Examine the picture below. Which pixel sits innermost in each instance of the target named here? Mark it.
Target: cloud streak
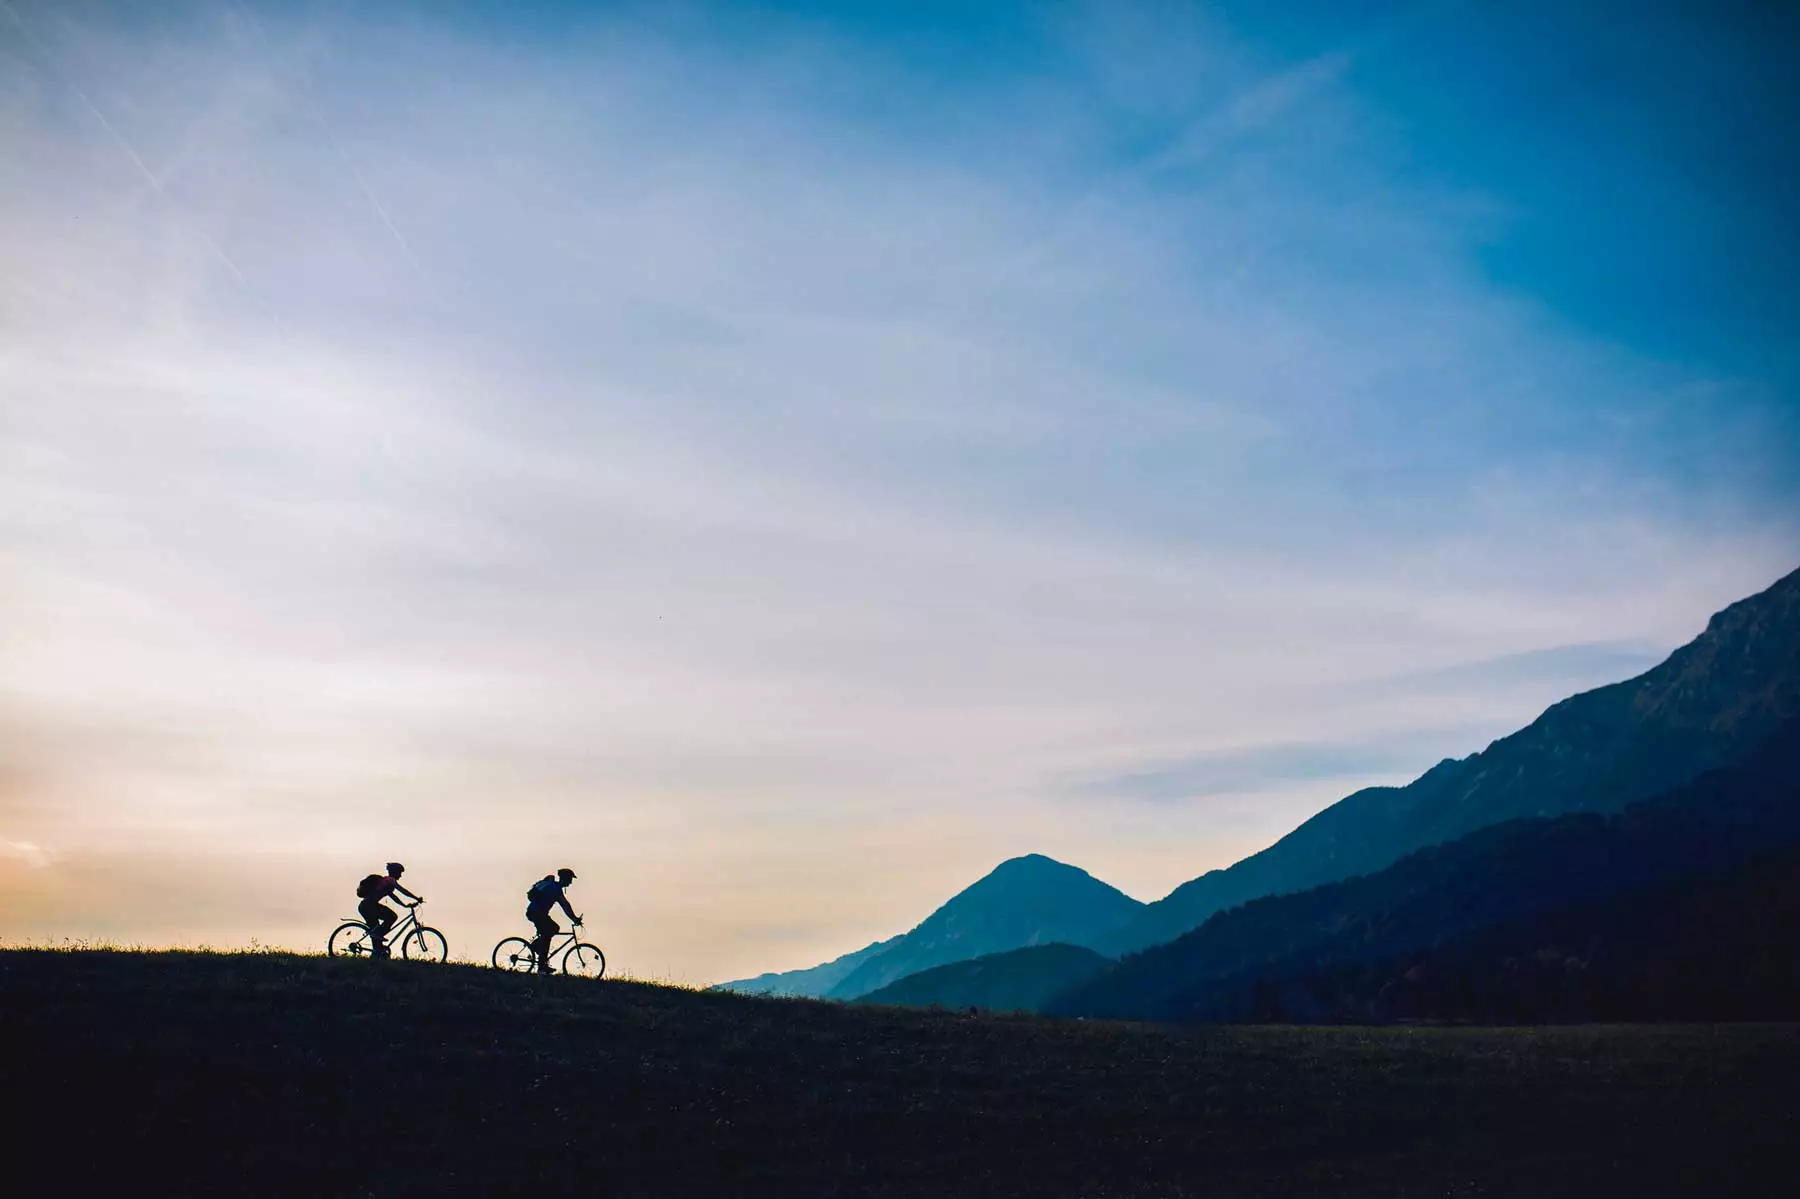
(33, 855)
(1254, 769)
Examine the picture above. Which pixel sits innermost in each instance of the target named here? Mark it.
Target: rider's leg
(547, 928)
(370, 910)
(379, 917)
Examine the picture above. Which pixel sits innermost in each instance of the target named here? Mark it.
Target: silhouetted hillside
(1721, 819)
(1033, 900)
(1020, 980)
(199, 1074)
(813, 982)
(1709, 703)
(1724, 946)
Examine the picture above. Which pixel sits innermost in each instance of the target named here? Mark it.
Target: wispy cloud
(28, 852)
(1254, 769)
(1566, 667)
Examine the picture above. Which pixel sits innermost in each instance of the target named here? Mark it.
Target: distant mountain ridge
(1019, 980)
(1030, 900)
(811, 983)
(1708, 703)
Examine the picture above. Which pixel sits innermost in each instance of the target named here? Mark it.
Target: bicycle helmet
(395, 869)
(566, 874)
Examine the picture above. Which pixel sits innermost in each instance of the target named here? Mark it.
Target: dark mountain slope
(1709, 703)
(1720, 946)
(1033, 900)
(809, 983)
(1721, 819)
(1020, 980)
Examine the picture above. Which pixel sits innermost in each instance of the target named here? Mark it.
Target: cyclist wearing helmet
(377, 915)
(545, 894)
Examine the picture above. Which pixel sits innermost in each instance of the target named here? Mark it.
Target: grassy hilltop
(187, 1073)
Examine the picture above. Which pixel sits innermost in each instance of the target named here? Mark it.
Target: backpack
(370, 886)
(542, 892)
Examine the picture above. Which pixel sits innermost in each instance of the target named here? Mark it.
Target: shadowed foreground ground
(188, 1073)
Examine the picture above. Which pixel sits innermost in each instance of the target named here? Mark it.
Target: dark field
(266, 1073)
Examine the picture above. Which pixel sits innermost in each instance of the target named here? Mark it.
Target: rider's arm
(406, 893)
(564, 900)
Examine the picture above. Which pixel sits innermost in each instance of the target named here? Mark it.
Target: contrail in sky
(367, 191)
(137, 160)
(151, 180)
(76, 88)
(338, 149)
(1260, 104)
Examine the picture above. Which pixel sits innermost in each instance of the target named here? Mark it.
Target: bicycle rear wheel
(350, 940)
(425, 945)
(584, 961)
(515, 954)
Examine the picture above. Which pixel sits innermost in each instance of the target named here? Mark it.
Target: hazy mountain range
(1530, 825)
(813, 982)
(1031, 900)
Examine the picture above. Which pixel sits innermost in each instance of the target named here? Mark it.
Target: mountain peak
(1035, 863)
(1027, 900)
(1031, 881)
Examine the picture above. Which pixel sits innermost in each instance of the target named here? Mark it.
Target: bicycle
(577, 957)
(353, 939)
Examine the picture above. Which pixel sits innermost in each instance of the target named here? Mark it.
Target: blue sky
(789, 458)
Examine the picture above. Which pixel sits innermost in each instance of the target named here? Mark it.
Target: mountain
(1031, 900)
(1024, 901)
(1020, 980)
(811, 983)
(1720, 946)
(1226, 968)
(1709, 703)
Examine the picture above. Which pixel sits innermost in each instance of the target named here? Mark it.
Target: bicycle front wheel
(584, 961)
(350, 940)
(425, 945)
(515, 954)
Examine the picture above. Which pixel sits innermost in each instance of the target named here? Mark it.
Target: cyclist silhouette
(377, 915)
(545, 894)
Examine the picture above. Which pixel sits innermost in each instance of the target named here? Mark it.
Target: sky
(782, 460)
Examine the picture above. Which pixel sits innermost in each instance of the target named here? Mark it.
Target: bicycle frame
(573, 935)
(519, 954)
(356, 938)
(398, 929)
